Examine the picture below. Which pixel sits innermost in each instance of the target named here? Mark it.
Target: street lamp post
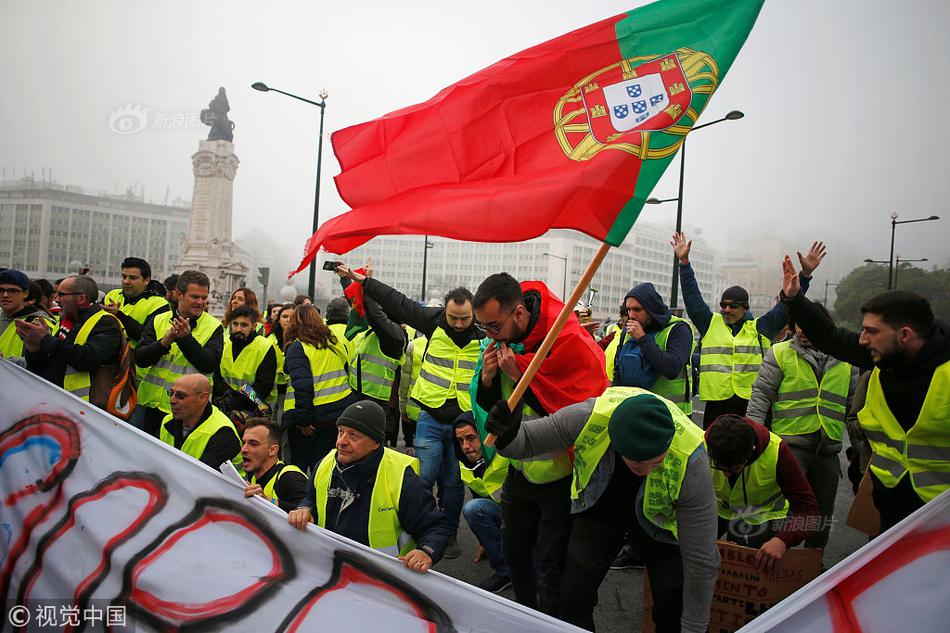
(827, 285)
(425, 263)
(894, 223)
(897, 267)
(564, 280)
(675, 284)
(322, 104)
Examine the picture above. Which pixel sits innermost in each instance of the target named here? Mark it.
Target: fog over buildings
(842, 101)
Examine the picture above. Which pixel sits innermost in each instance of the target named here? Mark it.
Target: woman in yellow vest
(808, 394)
(764, 500)
(315, 362)
(639, 466)
(277, 338)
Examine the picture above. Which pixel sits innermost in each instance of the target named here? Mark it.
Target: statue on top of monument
(216, 115)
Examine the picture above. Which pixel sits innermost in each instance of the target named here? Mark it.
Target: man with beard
(905, 413)
(267, 476)
(248, 359)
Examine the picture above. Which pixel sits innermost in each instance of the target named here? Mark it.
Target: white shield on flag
(636, 100)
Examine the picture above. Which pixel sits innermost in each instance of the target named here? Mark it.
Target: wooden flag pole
(552, 334)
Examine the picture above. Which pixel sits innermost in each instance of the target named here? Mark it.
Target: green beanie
(641, 427)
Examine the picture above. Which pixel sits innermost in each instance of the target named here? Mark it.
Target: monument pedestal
(208, 246)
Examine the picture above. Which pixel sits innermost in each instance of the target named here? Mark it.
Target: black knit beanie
(367, 417)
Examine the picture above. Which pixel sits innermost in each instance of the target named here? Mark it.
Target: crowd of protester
(597, 466)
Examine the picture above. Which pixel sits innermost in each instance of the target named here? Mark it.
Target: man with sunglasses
(86, 339)
(442, 388)
(764, 499)
(198, 428)
(733, 341)
(535, 500)
(14, 291)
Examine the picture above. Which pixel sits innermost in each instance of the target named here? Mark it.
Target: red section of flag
(480, 160)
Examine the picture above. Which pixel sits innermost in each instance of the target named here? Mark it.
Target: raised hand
(790, 285)
(489, 364)
(810, 261)
(681, 247)
(508, 362)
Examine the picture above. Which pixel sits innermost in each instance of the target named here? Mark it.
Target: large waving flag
(572, 133)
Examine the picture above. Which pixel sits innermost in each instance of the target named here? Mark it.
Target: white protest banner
(100, 523)
(897, 582)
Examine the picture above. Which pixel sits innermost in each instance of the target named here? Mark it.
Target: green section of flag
(715, 27)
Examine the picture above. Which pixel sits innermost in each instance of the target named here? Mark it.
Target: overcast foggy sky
(844, 100)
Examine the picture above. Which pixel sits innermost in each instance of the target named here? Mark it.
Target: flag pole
(552, 334)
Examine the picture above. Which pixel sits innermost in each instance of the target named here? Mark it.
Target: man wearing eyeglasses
(442, 388)
(733, 340)
(14, 290)
(198, 428)
(86, 339)
(764, 499)
(535, 500)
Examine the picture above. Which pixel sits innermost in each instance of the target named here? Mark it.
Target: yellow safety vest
(328, 368)
(140, 310)
(154, 385)
(662, 485)
(11, 345)
(385, 532)
(729, 364)
(803, 405)
(198, 439)
(490, 483)
(756, 496)
(446, 372)
(418, 349)
(75, 381)
(611, 351)
(537, 471)
(371, 372)
(243, 370)
(339, 331)
(269, 490)
(924, 450)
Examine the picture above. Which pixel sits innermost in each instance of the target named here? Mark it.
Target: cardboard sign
(863, 515)
(742, 592)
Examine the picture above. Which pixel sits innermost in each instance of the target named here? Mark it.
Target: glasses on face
(66, 294)
(11, 291)
(732, 470)
(735, 305)
(494, 327)
(178, 395)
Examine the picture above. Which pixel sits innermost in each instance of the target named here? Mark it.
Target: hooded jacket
(669, 363)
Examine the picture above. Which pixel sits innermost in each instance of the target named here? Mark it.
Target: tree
(870, 279)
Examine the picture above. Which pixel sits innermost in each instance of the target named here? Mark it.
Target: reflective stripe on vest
(269, 490)
(756, 496)
(537, 470)
(924, 450)
(446, 372)
(729, 364)
(198, 439)
(280, 378)
(489, 484)
(75, 381)
(140, 310)
(418, 349)
(678, 390)
(328, 371)
(371, 372)
(11, 345)
(385, 532)
(662, 485)
(243, 370)
(803, 406)
(154, 385)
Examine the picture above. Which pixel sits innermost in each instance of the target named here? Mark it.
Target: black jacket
(290, 488)
(418, 514)
(222, 446)
(297, 368)
(205, 359)
(226, 398)
(55, 353)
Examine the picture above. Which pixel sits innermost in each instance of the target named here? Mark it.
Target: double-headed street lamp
(322, 104)
(894, 223)
(897, 267)
(674, 286)
(564, 281)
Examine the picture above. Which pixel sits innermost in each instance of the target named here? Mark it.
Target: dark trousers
(306, 452)
(596, 537)
(535, 515)
(741, 533)
(894, 504)
(712, 409)
(408, 431)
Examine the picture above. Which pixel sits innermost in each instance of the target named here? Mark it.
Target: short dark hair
(731, 440)
(192, 277)
(459, 295)
(463, 422)
(46, 288)
(86, 285)
(171, 282)
(274, 434)
(500, 286)
(141, 264)
(299, 299)
(338, 310)
(245, 311)
(900, 308)
(35, 293)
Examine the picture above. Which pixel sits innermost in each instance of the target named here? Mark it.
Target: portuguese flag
(572, 134)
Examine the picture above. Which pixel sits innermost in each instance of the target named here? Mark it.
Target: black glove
(854, 468)
(504, 423)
